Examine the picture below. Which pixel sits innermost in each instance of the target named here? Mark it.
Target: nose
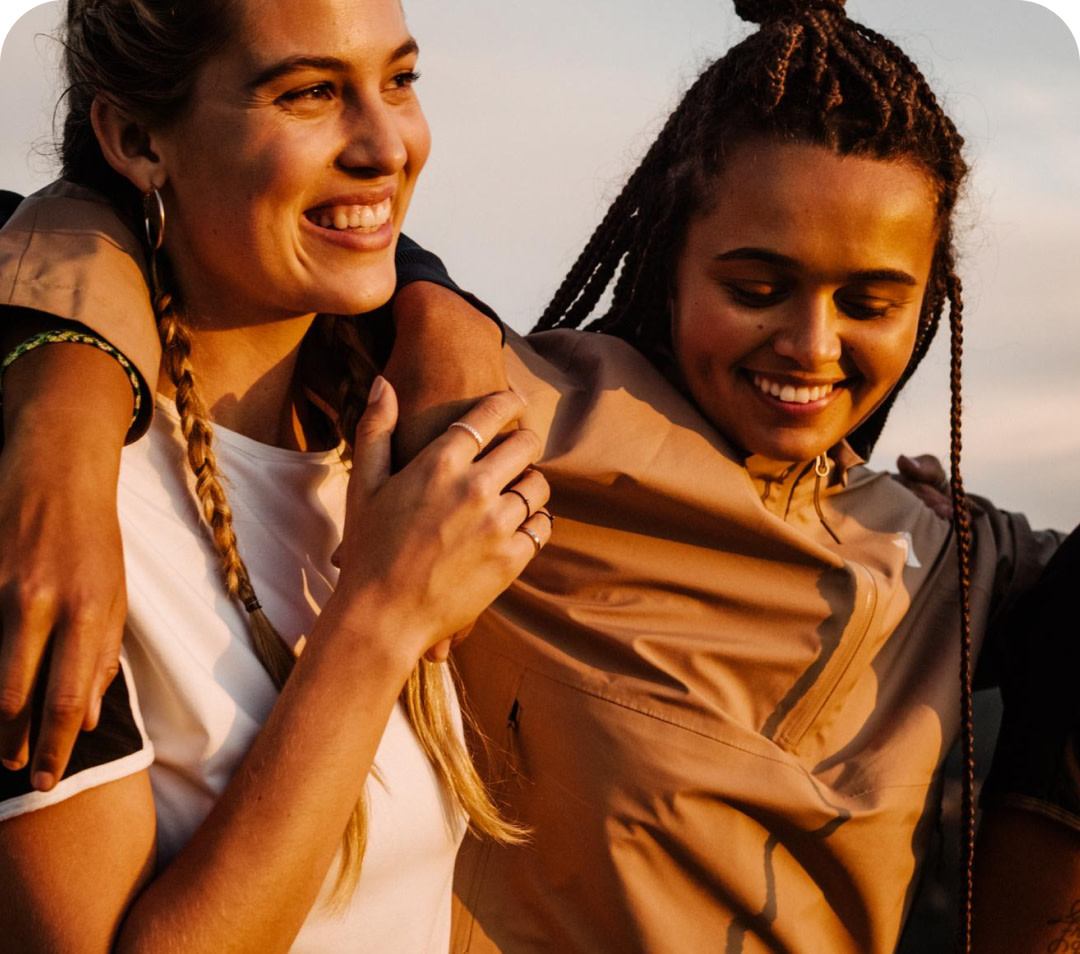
(375, 141)
(811, 334)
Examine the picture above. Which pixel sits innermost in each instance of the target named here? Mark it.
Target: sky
(540, 111)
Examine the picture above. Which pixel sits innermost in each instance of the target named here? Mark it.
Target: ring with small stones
(472, 432)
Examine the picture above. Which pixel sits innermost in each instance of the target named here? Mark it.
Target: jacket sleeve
(1037, 762)
(67, 252)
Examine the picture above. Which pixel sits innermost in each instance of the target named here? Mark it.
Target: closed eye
(867, 308)
(756, 294)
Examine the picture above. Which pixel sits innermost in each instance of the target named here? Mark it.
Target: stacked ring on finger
(524, 500)
(532, 535)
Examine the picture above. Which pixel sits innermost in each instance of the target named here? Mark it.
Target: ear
(128, 146)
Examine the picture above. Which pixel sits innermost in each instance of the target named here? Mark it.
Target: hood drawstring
(821, 469)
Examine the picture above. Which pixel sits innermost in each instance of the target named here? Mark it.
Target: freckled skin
(831, 309)
(243, 165)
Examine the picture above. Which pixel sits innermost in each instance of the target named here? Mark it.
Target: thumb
(371, 446)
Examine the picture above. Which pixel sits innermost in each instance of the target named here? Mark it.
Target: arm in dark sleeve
(416, 264)
(1037, 763)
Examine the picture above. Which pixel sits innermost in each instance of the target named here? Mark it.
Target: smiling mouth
(351, 218)
(790, 393)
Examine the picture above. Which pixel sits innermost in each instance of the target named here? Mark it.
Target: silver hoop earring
(154, 223)
(154, 219)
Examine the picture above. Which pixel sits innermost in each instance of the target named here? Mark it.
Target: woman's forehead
(354, 31)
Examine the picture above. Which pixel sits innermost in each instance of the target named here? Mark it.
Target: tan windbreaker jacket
(721, 709)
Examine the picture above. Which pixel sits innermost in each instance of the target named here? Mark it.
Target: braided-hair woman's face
(797, 295)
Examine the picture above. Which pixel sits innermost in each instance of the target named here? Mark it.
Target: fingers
(371, 446)
(925, 477)
(474, 431)
(924, 469)
(22, 645)
(532, 536)
(440, 652)
(940, 503)
(78, 676)
(524, 497)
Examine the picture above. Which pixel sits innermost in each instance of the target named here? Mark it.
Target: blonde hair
(424, 695)
(144, 55)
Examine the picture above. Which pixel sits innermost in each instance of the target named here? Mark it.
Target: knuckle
(500, 406)
(529, 442)
(13, 702)
(479, 487)
(442, 466)
(65, 707)
(33, 597)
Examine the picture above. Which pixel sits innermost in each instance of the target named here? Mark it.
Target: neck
(245, 375)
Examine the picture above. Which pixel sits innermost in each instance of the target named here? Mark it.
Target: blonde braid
(425, 695)
(270, 649)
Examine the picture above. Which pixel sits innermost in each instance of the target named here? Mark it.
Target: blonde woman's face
(798, 293)
(289, 177)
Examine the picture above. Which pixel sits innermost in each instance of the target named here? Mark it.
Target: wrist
(363, 631)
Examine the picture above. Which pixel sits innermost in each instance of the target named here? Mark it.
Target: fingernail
(11, 765)
(93, 715)
(42, 781)
(378, 386)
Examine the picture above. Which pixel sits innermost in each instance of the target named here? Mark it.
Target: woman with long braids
(280, 764)
(721, 698)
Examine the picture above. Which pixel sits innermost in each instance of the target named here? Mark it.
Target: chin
(364, 295)
(790, 452)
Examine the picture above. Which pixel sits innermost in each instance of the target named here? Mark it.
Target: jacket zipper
(806, 712)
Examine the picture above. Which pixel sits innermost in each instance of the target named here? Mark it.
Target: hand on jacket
(925, 477)
(431, 546)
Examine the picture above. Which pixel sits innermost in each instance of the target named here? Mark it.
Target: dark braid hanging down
(808, 75)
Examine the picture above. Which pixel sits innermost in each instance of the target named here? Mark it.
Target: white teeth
(790, 394)
(365, 218)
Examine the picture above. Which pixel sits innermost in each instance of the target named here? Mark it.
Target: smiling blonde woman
(241, 774)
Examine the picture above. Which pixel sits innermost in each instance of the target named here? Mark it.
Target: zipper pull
(821, 469)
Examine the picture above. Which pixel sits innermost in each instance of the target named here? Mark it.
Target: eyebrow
(769, 257)
(294, 64)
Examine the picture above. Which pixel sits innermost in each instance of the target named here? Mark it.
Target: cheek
(883, 357)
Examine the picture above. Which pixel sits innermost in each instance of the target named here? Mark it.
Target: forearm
(66, 410)
(249, 876)
(446, 356)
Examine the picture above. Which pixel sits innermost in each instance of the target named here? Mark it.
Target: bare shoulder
(68, 872)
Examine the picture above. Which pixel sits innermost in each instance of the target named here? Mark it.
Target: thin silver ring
(532, 536)
(473, 433)
(524, 500)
